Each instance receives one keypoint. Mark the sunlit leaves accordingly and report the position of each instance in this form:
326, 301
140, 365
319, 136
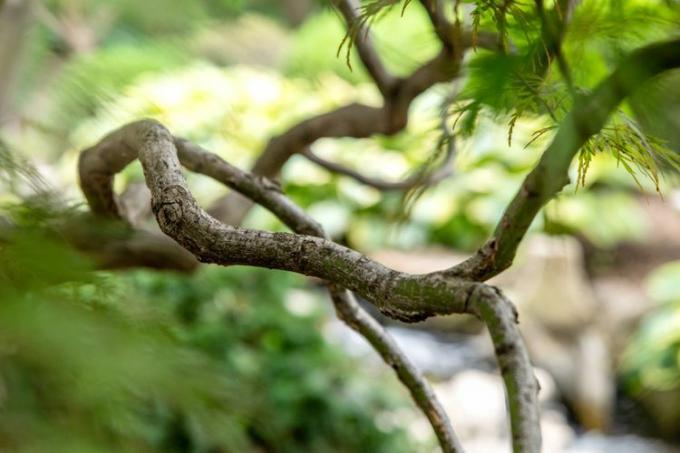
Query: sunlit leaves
635, 151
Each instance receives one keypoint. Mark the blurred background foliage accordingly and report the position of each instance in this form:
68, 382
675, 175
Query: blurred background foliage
92, 360
225, 360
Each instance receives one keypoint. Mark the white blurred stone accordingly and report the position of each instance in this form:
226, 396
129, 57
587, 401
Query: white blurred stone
598, 443
475, 402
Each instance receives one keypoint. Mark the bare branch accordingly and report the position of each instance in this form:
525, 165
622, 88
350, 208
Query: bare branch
403, 296
500, 317
268, 195
399, 295
361, 321
358, 120
589, 115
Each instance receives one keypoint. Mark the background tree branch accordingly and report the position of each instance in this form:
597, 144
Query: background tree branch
357, 120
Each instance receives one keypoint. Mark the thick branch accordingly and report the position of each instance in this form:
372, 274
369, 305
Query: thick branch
399, 295
268, 194
550, 175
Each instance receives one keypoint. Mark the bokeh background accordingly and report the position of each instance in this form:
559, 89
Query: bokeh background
241, 359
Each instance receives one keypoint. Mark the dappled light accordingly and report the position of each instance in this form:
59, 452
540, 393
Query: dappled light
340, 226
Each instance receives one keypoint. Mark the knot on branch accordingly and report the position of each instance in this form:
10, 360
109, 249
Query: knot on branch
169, 207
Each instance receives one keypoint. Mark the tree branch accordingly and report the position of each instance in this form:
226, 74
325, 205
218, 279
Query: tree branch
353, 120
422, 178
356, 120
399, 295
589, 115
268, 194
500, 317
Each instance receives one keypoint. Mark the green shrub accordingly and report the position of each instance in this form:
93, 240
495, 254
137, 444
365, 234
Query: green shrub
143, 361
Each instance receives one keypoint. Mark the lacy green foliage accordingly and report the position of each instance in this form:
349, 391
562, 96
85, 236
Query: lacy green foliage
635, 151
508, 87
94, 361
523, 82
370, 12
503, 15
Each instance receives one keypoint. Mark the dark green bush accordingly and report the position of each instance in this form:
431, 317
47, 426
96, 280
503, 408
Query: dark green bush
144, 361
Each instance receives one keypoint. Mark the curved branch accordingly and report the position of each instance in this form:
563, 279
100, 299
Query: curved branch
521, 386
361, 321
589, 115
268, 194
399, 295
354, 120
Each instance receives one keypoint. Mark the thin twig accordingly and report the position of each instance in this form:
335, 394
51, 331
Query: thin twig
422, 178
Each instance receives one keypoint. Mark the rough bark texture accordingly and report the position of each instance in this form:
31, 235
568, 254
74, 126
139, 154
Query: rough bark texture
402, 296
213, 239
262, 191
